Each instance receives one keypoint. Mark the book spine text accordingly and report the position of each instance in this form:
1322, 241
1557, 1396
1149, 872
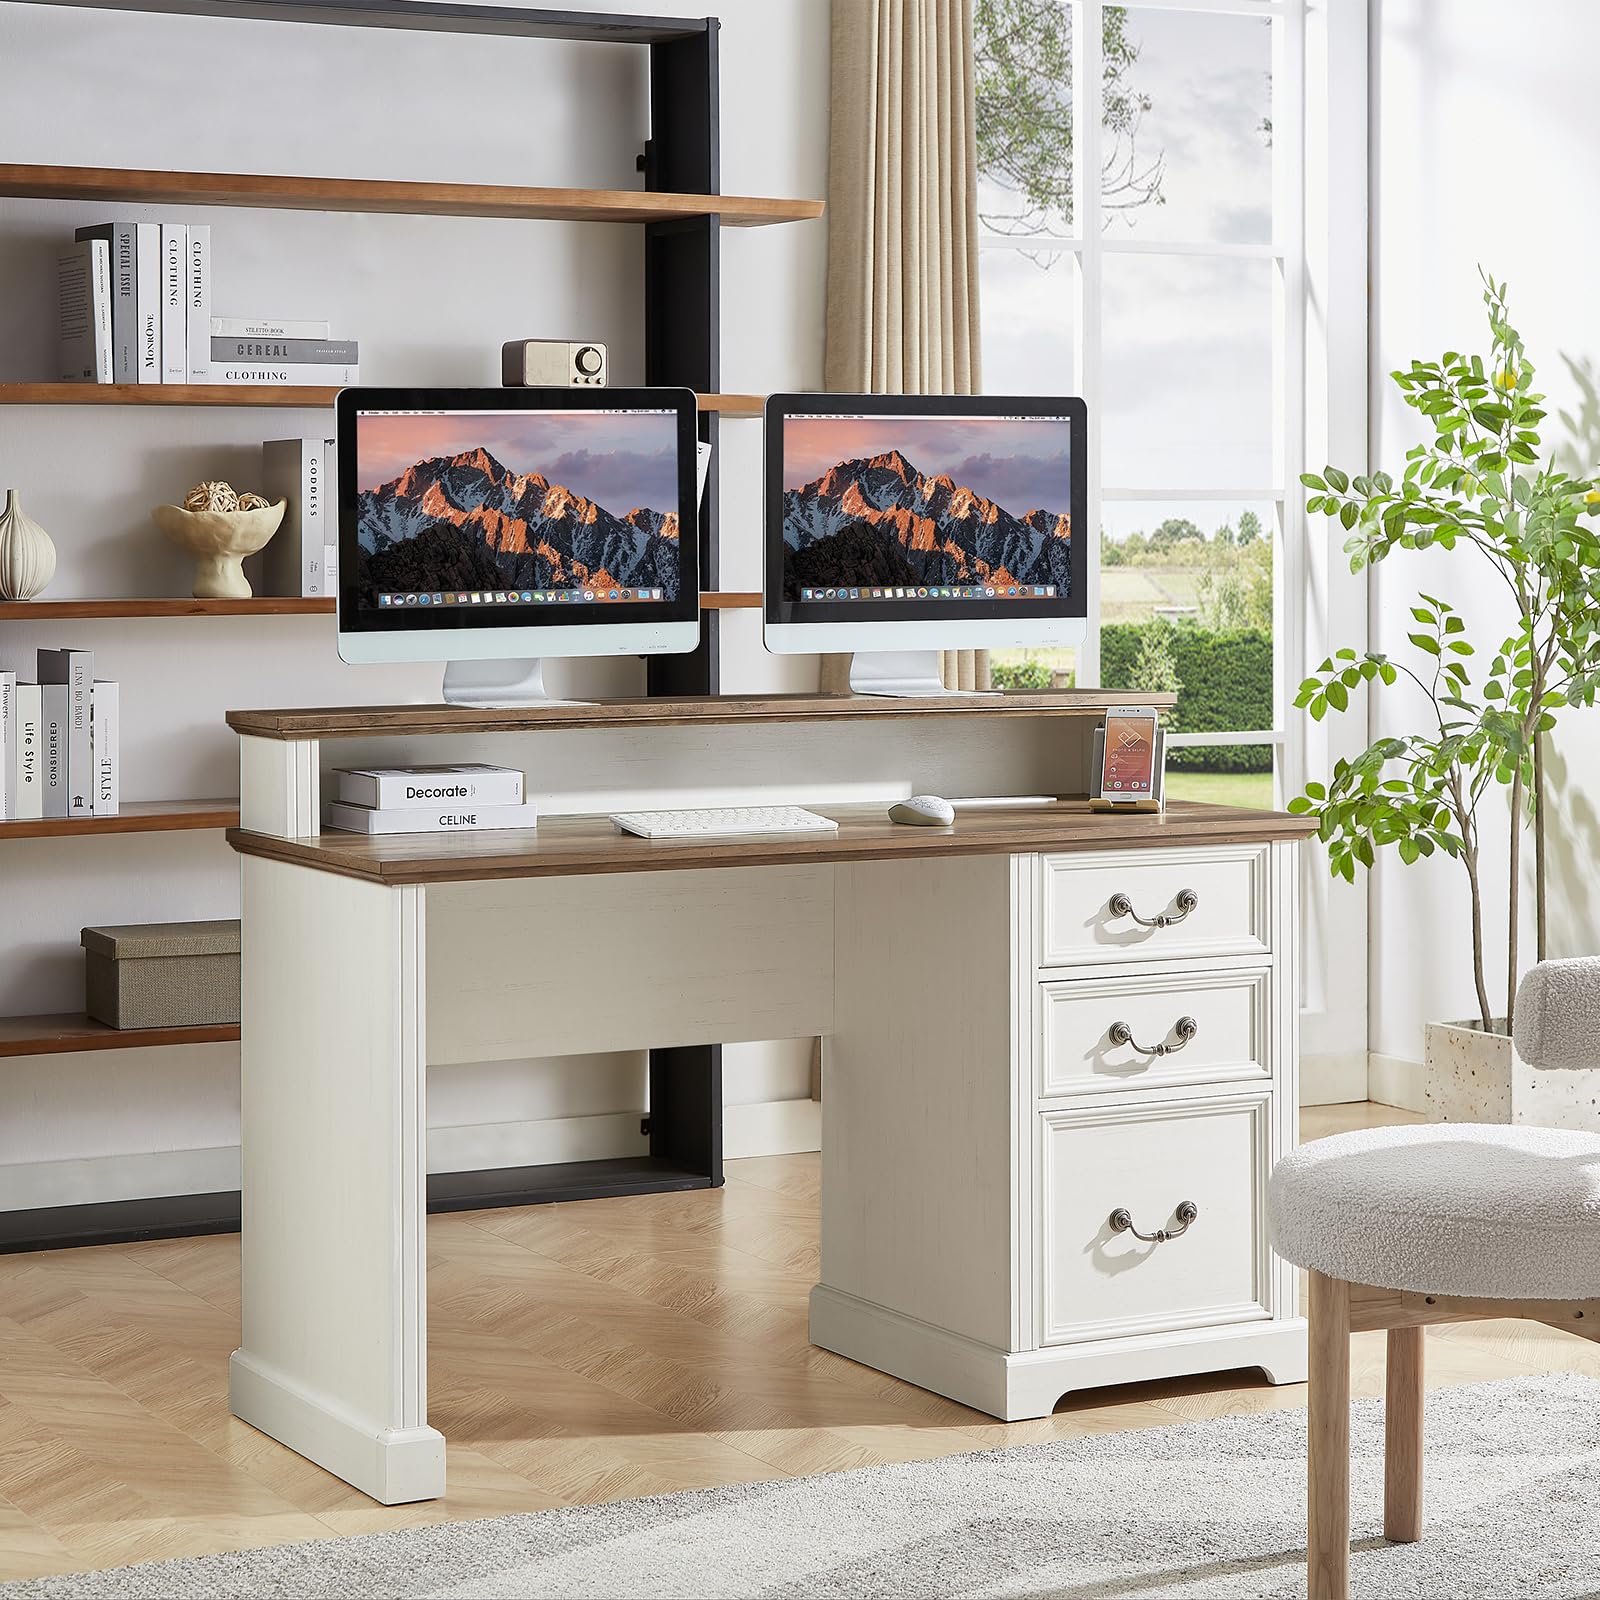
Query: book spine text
174, 303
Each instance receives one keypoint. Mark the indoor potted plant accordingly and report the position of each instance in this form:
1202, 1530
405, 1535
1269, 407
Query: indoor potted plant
1482, 486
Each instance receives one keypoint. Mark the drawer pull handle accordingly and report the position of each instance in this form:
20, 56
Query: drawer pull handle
1122, 906
1121, 1221
1185, 1028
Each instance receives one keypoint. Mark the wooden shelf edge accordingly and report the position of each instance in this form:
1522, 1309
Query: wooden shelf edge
68, 1032
265, 605
136, 816
242, 394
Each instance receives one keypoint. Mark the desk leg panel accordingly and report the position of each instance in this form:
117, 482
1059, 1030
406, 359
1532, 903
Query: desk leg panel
333, 1354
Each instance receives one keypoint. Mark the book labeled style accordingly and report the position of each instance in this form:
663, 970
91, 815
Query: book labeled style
73, 670
105, 735
174, 302
338, 375
266, 328
8, 746
147, 302
29, 751
258, 352
55, 715
294, 561
122, 240
431, 818
198, 293
410, 788
83, 303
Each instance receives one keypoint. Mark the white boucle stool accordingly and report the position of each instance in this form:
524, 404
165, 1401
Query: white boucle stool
1402, 1227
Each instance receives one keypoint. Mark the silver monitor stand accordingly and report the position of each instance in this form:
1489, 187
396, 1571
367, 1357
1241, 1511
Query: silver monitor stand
499, 685
902, 674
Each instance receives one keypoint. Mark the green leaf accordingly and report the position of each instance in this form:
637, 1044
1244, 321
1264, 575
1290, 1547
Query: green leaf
1337, 479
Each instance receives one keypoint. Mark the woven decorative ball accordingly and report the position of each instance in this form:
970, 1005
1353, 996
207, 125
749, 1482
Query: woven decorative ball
213, 496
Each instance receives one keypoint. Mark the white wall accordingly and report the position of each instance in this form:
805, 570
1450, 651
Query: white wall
1485, 138
430, 299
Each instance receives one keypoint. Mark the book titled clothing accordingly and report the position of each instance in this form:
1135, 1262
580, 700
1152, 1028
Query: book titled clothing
8, 746
198, 293
83, 302
29, 752
409, 788
266, 328
334, 374
55, 713
147, 297
105, 735
431, 819
122, 240
74, 671
294, 561
256, 352
174, 302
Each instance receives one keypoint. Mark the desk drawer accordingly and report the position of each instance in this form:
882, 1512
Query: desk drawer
1083, 917
1149, 1158
1097, 1034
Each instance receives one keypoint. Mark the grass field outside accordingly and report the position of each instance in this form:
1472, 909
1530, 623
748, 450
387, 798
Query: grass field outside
1252, 789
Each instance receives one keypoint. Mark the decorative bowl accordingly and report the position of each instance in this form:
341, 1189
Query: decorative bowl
219, 541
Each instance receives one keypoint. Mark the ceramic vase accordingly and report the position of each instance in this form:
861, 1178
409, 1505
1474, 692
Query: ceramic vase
1473, 1076
219, 541
27, 555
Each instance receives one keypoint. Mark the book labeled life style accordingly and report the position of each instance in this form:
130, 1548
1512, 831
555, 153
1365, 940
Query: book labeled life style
267, 328
83, 304
453, 818
71, 671
105, 737
297, 470
122, 240
28, 752
174, 302
413, 788
197, 293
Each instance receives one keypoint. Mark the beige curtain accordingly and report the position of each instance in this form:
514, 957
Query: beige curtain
903, 219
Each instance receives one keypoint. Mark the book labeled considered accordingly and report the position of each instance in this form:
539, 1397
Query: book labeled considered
54, 714
8, 746
29, 751
267, 328
147, 298
105, 737
73, 670
294, 560
122, 240
330, 373
431, 818
83, 303
198, 293
410, 788
174, 302
255, 352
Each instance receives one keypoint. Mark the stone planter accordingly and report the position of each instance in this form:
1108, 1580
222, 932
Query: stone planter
1473, 1076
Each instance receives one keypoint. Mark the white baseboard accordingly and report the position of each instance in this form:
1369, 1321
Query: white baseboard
771, 1128
1394, 1081
1334, 1080
145, 1175
479, 1147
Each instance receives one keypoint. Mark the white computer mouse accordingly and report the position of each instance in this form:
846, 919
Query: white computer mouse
923, 811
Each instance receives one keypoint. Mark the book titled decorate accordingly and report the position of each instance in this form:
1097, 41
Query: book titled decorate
397, 788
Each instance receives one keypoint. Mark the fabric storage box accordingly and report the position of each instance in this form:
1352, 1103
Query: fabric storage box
162, 974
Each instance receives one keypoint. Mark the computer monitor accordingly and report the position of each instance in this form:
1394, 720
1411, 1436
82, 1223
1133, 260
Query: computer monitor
489, 527
899, 526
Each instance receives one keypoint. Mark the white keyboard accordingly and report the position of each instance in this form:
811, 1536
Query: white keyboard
723, 820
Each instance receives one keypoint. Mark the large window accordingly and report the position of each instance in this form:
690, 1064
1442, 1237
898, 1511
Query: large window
1140, 198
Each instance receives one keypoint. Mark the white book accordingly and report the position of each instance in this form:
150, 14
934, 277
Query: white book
8, 746
174, 303
337, 374
296, 470
55, 713
75, 670
266, 328
409, 788
431, 819
105, 736
147, 295
30, 751
199, 295
83, 299
122, 241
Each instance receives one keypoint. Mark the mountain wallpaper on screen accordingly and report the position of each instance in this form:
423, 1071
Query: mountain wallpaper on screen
878, 520
467, 522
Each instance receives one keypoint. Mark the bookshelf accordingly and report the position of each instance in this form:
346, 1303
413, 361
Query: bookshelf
134, 816
72, 1031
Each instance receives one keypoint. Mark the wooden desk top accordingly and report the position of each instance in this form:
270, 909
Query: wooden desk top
346, 722
580, 846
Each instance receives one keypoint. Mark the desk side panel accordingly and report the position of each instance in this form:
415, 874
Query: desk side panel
549, 966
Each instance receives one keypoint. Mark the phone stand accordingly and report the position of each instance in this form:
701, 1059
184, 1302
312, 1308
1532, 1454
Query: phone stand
1156, 800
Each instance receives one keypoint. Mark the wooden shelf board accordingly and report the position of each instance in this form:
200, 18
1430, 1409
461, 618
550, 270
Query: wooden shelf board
240, 394
136, 816
262, 605
730, 600
72, 1031
21, 181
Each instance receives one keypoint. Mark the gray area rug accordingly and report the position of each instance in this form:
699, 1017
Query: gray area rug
1203, 1511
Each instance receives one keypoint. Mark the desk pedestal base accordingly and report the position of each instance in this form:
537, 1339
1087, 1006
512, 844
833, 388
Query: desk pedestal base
1015, 1387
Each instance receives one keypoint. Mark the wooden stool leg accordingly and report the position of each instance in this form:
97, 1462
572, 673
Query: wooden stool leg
1402, 1438
1328, 1507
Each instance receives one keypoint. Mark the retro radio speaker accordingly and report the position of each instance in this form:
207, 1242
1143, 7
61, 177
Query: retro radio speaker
552, 364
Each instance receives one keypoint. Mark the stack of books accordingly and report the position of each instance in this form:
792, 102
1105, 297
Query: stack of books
134, 300
429, 800
302, 556
59, 740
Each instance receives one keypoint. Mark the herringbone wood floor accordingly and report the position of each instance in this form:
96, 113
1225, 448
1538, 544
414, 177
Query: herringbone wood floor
577, 1353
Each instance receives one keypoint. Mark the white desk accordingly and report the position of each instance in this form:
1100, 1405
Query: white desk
981, 1121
